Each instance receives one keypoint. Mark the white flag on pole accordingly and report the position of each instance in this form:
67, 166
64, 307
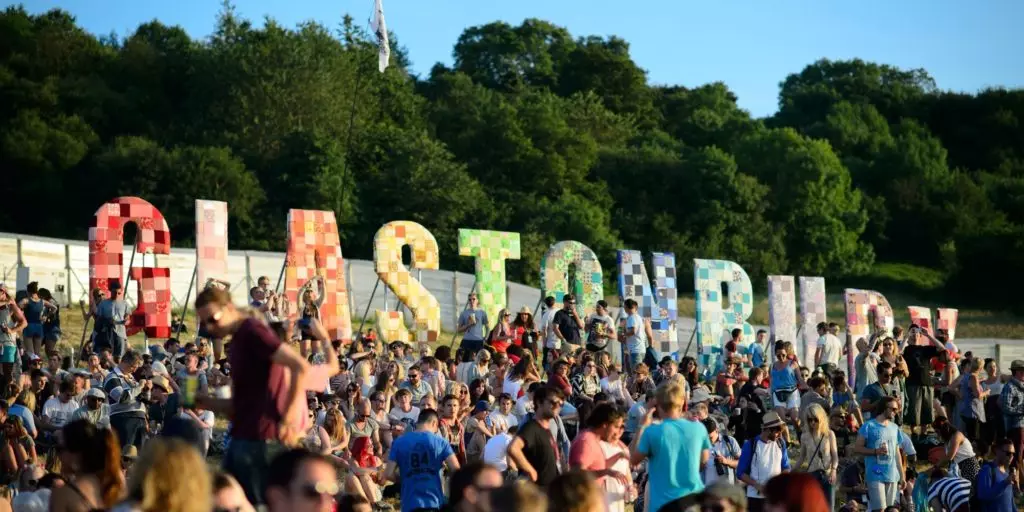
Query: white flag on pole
380, 29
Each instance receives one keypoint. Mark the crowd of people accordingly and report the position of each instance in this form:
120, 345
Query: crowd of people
558, 412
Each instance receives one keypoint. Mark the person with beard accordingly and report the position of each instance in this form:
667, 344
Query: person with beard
534, 450
586, 452
95, 410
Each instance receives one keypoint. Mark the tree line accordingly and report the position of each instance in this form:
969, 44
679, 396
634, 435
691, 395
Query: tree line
530, 130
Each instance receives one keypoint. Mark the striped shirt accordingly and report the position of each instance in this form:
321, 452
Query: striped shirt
952, 492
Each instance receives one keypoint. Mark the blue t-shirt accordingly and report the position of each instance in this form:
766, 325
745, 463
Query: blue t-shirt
881, 468
756, 353
420, 457
674, 448
477, 330
26, 417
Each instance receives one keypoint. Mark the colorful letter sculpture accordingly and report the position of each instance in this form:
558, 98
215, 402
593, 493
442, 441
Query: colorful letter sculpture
782, 311
712, 320
106, 260
660, 304
314, 248
588, 286
211, 240
920, 316
861, 302
945, 319
491, 249
813, 309
387, 258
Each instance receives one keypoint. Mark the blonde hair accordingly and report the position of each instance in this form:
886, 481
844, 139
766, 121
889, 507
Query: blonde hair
818, 412
671, 396
334, 425
158, 480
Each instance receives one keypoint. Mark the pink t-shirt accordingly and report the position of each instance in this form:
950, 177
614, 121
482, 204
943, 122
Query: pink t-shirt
585, 453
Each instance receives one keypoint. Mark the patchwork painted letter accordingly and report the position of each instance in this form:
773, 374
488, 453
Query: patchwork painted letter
712, 321
106, 260
387, 258
211, 240
587, 287
946, 319
659, 304
813, 309
859, 303
314, 248
491, 249
782, 312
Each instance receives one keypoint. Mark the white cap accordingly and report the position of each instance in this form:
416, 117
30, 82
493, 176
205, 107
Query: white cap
95, 393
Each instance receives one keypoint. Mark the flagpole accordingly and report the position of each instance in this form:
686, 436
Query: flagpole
377, 11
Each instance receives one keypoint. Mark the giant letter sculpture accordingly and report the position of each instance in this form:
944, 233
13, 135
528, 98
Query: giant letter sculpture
782, 319
712, 321
106, 260
387, 258
588, 285
659, 304
945, 318
859, 303
211, 240
314, 247
813, 307
491, 249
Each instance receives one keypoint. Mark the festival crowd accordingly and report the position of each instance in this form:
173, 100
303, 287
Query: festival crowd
557, 412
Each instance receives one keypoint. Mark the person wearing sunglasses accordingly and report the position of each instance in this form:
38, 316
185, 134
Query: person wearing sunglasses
299, 480
473, 324
762, 458
998, 480
878, 440
258, 385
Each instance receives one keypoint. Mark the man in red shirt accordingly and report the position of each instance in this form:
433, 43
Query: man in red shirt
261, 397
586, 453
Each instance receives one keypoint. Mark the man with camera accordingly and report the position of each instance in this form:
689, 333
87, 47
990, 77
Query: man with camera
725, 455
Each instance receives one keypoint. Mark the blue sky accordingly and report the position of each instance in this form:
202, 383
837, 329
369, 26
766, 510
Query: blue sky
750, 45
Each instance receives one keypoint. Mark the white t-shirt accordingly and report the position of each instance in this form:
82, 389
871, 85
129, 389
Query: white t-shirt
766, 463
550, 339
58, 412
511, 387
524, 406
831, 349
616, 390
496, 450
407, 419
510, 419
208, 418
637, 343
616, 493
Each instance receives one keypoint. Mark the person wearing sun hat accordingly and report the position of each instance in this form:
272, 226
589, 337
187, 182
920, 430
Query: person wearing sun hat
1012, 401
94, 408
761, 458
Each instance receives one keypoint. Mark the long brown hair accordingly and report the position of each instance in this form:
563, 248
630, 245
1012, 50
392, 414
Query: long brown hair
100, 456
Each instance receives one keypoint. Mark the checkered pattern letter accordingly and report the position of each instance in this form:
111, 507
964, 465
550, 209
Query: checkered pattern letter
712, 320
106, 260
491, 249
659, 304
314, 247
211, 240
387, 258
946, 319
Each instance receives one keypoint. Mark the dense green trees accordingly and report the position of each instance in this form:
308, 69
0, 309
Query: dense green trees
530, 130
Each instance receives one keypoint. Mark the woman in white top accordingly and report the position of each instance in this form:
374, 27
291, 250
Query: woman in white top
819, 451
618, 494
959, 456
615, 387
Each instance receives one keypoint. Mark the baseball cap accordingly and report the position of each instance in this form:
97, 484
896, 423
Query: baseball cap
95, 393
481, 406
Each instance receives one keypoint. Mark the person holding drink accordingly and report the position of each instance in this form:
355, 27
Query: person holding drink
472, 325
